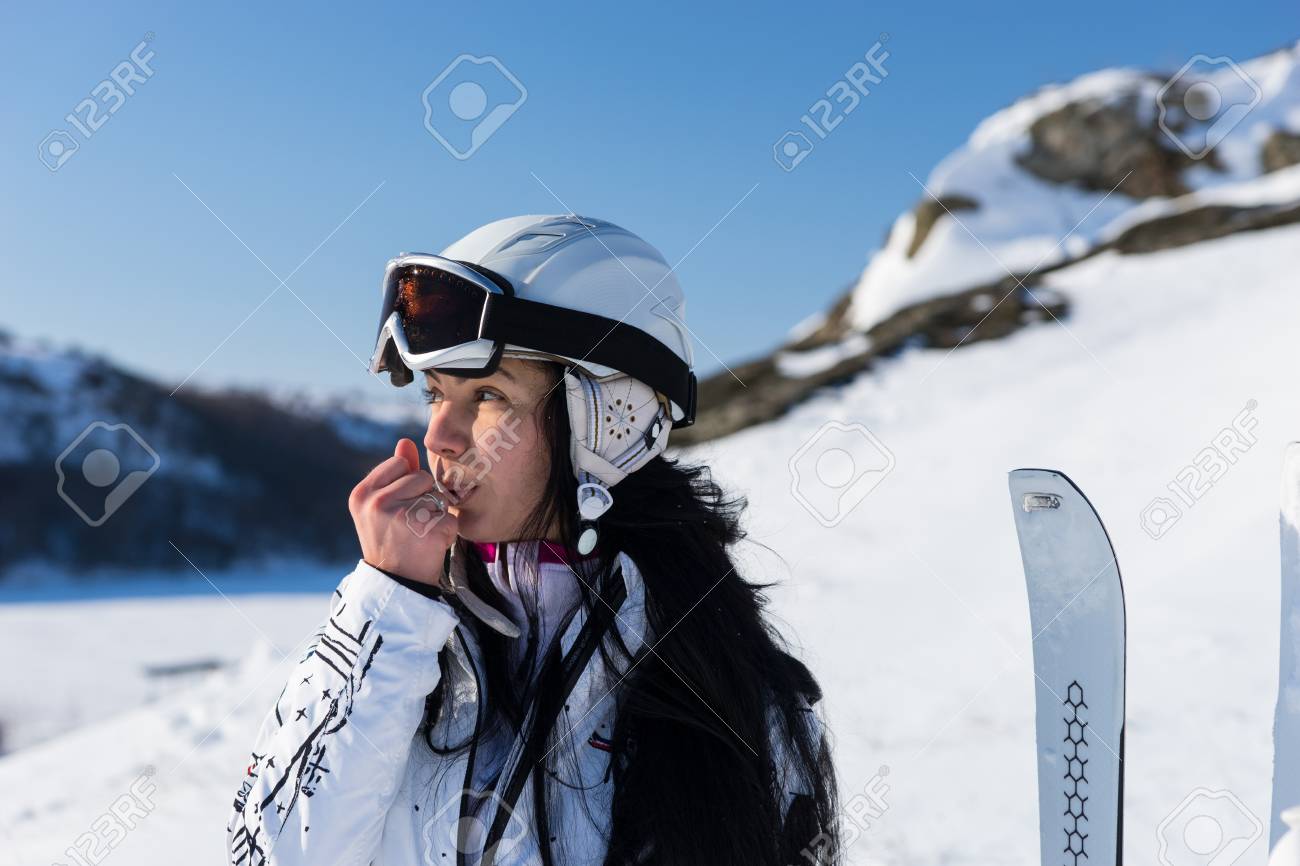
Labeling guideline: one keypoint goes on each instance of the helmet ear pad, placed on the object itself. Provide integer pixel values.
(618, 424)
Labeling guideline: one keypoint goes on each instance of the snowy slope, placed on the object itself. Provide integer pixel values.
(912, 609)
(147, 659)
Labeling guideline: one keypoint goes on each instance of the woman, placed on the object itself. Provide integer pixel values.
(524, 668)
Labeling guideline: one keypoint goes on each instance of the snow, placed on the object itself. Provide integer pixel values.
(50, 369)
(911, 610)
(799, 365)
(132, 623)
(1276, 188)
(41, 709)
(1010, 124)
(806, 326)
(42, 371)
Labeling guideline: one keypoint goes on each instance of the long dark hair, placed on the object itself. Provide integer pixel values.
(694, 775)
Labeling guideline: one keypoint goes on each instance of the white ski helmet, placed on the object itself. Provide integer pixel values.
(581, 291)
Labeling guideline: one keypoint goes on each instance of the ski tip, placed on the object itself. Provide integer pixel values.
(1291, 485)
(1040, 489)
(1028, 474)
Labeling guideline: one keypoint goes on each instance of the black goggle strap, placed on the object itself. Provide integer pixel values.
(578, 334)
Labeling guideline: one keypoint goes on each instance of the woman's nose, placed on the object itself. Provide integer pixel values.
(450, 432)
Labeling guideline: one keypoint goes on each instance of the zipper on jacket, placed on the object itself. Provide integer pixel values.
(468, 787)
(584, 647)
(503, 554)
(463, 824)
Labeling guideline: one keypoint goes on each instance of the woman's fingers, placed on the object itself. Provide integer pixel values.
(381, 476)
(407, 451)
(407, 487)
(395, 536)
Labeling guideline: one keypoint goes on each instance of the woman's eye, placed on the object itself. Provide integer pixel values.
(432, 396)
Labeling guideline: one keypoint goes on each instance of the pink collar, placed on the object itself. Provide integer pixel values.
(548, 551)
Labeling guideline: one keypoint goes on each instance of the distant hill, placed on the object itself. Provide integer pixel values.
(223, 475)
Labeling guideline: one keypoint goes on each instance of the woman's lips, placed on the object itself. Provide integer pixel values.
(451, 494)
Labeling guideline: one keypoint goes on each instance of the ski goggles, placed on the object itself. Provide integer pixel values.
(458, 317)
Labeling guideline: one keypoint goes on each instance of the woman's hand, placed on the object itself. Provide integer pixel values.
(400, 527)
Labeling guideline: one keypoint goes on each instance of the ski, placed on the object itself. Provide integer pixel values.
(1076, 608)
(1286, 720)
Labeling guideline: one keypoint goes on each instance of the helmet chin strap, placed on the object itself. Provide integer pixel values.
(459, 585)
(594, 499)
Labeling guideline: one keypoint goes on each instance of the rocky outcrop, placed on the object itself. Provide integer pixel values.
(1103, 146)
(1281, 150)
(833, 327)
(928, 212)
(1200, 224)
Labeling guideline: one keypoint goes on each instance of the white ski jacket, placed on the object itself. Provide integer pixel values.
(339, 775)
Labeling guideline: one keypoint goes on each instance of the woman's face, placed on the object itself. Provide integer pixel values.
(485, 443)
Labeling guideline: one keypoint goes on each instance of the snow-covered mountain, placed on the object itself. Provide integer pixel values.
(1115, 160)
(1065, 172)
(908, 602)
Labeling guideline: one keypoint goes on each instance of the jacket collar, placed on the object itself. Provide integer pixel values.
(542, 550)
(630, 619)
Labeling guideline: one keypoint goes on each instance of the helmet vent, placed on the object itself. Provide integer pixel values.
(530, 242)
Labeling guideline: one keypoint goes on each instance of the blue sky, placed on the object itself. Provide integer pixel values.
(302, 130)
